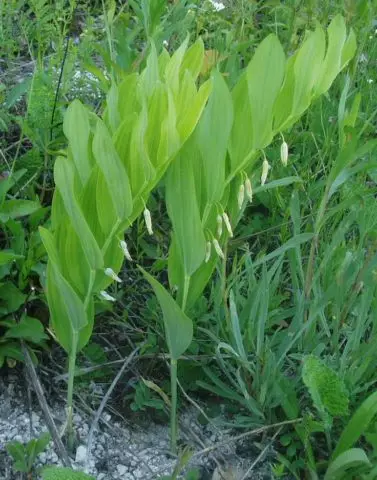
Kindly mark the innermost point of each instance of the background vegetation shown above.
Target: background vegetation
(285, 330)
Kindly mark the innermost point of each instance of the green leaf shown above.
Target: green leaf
(357, 426)
(193, 59)
(349, 49)
(42, 441)
(281, 182)
(307, 68)
(236, 330)
(10, 350)
(265, 74)
(345, 462)
(113, 171)
(111, 114)
(291, 243)
(11, 298)
(77, 130)
(172, 69)
(17, 451)
(8, 257)
(178, 326)
(213, 132)
(327, 390)
(183, 209)
(188, 119)
(17, 208)
(240, 144)
(333, 60)
(64, 174)
(60, 473)
(29, 329)
(68, 316)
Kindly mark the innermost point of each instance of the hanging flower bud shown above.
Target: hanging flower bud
(241, 196)
(284, 153)
(148, 221)
(106, 296)
(218, 250)
(219, 225)
(265, 168)
(208, 252)
(110, 273)
(249, 190)
(123, 246)
(227, 224)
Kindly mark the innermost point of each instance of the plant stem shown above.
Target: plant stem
(61, 451)
(71, 377)
(173, 412)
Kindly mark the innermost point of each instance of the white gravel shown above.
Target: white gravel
(119, 451)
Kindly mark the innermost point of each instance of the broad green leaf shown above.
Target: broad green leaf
(265, 74)
(77, 130)
(11, 350)
(212, 135)
(127, 98)
(8, 257)
(72, 260)
(150, 129)
(17, 208)
(111, 114)
(42, 441)
(241, 141)
(357, 426)
(333, 60)
(283, 106)
(112, 170)
(349, 49)
(150, 75)
(183, 209)
(138, 162)
(193, 59)
(345, 462)
(351, 116)
(94, 186)
(68, 315)
(172, 69)
(186, 93)
(188, 120)
(29, 329)
(163, 60)
(11, 298)
(169, 137)
(307, 68)
(17, 451)
(178, 326)
(64, 174)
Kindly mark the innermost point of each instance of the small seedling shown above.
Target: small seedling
(24, 455)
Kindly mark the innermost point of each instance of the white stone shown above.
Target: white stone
(81, 454)
(122, 469)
